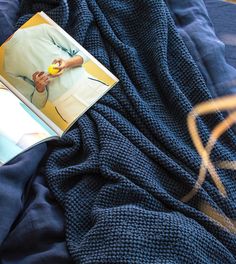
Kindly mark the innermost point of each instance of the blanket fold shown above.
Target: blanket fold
(122, 169)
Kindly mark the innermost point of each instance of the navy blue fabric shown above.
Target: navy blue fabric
(31, 223)
(120, 172)
(120, 175)
(9, 10)
(223, 18)
(197, 30)
(37, 235)
(14, 178)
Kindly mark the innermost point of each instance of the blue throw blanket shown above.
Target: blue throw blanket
(122, 169)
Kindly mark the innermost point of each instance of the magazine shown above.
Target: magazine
(47, 81)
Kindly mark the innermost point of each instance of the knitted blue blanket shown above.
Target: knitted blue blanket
(122, 169)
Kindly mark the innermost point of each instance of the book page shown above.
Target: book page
(52, 73)
(20, 128)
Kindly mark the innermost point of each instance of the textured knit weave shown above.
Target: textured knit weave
(120, 172)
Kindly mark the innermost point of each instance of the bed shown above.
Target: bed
(110, 191)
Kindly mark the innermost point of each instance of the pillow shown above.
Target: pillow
(223, 17)
(196, 28)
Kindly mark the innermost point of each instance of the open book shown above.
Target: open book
(47, 81)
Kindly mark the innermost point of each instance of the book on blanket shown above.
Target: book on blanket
(47, 81)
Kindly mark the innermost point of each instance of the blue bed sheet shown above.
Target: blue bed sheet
(9, 10)
(32, 222)
(208, 51)
(223, 17)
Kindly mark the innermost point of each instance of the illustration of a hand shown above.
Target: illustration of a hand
(41, 80)
(60, 64)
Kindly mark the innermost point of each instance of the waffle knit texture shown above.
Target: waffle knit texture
(121, 170)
